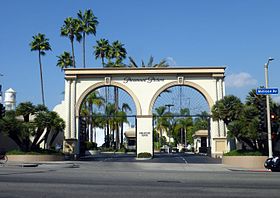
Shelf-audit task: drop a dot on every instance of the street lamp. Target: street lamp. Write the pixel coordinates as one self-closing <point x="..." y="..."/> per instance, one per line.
<point x="270" y="154"/>
<point x="169" y="105"/>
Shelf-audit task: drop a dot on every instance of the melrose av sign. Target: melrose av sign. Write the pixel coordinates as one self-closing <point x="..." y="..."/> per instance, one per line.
<point x="267" y="91"/>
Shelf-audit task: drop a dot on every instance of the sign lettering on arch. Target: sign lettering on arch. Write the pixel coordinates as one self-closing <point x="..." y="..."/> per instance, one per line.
<point x="144" y="80"/>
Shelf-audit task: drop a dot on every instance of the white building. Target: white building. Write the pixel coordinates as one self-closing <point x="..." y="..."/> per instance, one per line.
<point x="10" y="99"/>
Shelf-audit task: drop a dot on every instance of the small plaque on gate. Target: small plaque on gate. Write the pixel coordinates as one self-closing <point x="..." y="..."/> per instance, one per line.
<point x="144" y="134"/>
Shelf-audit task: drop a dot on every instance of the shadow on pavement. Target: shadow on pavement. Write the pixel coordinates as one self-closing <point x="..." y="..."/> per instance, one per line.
<point x="158" y="158"/>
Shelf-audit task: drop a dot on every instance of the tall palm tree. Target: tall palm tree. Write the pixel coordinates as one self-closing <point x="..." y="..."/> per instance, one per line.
<point x="71" y="29"/>
<point x="184" y="123"/>
<point x="41" y="44"/>
<point x="110" y="113"/>
<point x="88" y="23"/>
<point x="93" y="99"/>
<point x="161" y="121"/>
<point x="65" y="60"/>
<point x="101" y="50"/>
<point x="125" y="108"/>
<point x="118" y="52"/>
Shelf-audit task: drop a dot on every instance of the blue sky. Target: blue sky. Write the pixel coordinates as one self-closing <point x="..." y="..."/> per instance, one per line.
<point x="241" y="34"/>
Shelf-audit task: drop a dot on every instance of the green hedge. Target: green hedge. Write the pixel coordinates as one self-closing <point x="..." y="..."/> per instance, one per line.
<point x="39" y="152"/>
<point x="243" y="153"/>
<point x="144" y="155"/>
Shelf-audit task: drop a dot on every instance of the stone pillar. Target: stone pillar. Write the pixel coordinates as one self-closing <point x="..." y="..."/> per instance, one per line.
<point x="144" y="134"/>
<point x="221" y="96"/>
<point x="67" y="133"/>
<point x="72" y="109"/>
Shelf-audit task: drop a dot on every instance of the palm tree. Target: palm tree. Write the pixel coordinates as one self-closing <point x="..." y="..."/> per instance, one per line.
<point x="162" y="63"/>
<point x="101" y="50"/>
<point x="40" y="44"/>
<point x="25" y="109"/>
<point x="65" y="60"/>
<point x="185" y="123"/>
<point x="110" y="113"/>
<point x="58" y="127"/>
<point x="118" y="52"/>
<point x="88" y="23"/>
<point x="227" y="109"/>
<point x="125" y="108"/>
<point x="93" y="99"/>
<point x="161" y="121"/>
<point x="97" y="121"/>
<point x="71" y="29"/>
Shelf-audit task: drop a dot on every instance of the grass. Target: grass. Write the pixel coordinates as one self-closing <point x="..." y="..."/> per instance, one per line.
<point x="243" y="153"/>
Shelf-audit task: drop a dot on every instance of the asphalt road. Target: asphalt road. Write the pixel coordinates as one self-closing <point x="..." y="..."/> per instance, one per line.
<point x="121" y="176"/>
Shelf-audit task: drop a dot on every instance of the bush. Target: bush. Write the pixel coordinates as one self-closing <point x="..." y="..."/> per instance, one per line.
<point x="144" y="155"/>
<point x="122" y="150"/>
<point x="37" y="152"/>
<point x="156" y="145"/>
<point x="110" y="149"/>
<point x="91" y="145"/>
<point x="243" y="153"/>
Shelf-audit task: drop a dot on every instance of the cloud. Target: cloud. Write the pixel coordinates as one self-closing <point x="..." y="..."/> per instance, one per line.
<point x="240" y="80"/>
<point x="171" y="61"/>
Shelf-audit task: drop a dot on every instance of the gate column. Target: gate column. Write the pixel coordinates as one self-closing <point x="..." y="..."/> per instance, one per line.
<point x="144" y="134"/>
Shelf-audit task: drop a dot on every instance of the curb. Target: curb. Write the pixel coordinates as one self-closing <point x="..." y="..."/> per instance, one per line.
<point x="250" y="170"/>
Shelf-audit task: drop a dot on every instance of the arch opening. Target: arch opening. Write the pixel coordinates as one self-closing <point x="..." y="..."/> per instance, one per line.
<point x="107" y="119"/>
<point x="181" y="119"/>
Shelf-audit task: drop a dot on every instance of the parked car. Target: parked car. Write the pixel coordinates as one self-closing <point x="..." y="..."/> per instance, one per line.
<point x="273" y="164"/>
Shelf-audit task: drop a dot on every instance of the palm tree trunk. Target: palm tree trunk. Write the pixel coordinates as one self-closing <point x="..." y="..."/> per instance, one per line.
<point x="117" y="136"/>
<point x="122" y="134"/>
<point x="41" y="76"/>
<point x="160" y="137"/>
<point x="113" y="137"/>
<point x="116" y="97"/>
<point x="90" y="120"/>
<point x="39" y="133"/>
<point x="94" y="136"/>
<point x="107" y="135"/>
<point x="53" y="137"/>
<point x="73" y="54"/>
<point x="103" y="63"/>
<point x="84" y="49"/>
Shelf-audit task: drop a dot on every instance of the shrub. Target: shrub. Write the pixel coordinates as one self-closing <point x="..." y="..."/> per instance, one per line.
<point x="110" y="149"/>
<point x="91" y="145"/>
<point x="144" y="155"/>
<point x="243" y="153"/>
<point x="122" y="150"/>
<point x="37" y="152"/>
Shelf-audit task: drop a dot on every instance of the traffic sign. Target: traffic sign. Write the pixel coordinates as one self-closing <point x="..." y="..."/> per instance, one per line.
<point x="267" y="91"/>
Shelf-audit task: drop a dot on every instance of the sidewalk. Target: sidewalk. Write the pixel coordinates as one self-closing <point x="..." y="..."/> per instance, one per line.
<point x="64" y="164"/>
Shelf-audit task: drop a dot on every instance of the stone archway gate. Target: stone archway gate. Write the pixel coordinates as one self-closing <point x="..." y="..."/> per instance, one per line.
<point x="144" y="86"/>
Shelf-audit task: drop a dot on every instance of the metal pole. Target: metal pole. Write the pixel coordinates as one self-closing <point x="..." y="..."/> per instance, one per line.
<point x="270" y="154"/>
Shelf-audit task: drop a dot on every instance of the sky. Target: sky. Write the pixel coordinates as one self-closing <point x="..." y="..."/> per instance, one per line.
<point x="238" y="34"/>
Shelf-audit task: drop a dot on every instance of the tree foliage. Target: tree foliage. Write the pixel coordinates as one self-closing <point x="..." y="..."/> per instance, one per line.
<point x="28" y="131"/>
<point x="244" y="120"/>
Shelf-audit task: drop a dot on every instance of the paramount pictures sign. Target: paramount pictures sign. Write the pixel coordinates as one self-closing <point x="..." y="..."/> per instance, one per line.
<point x="144" y="80"/>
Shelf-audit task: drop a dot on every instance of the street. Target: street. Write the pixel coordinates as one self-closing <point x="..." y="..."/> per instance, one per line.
<point x="167" y="175"/>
